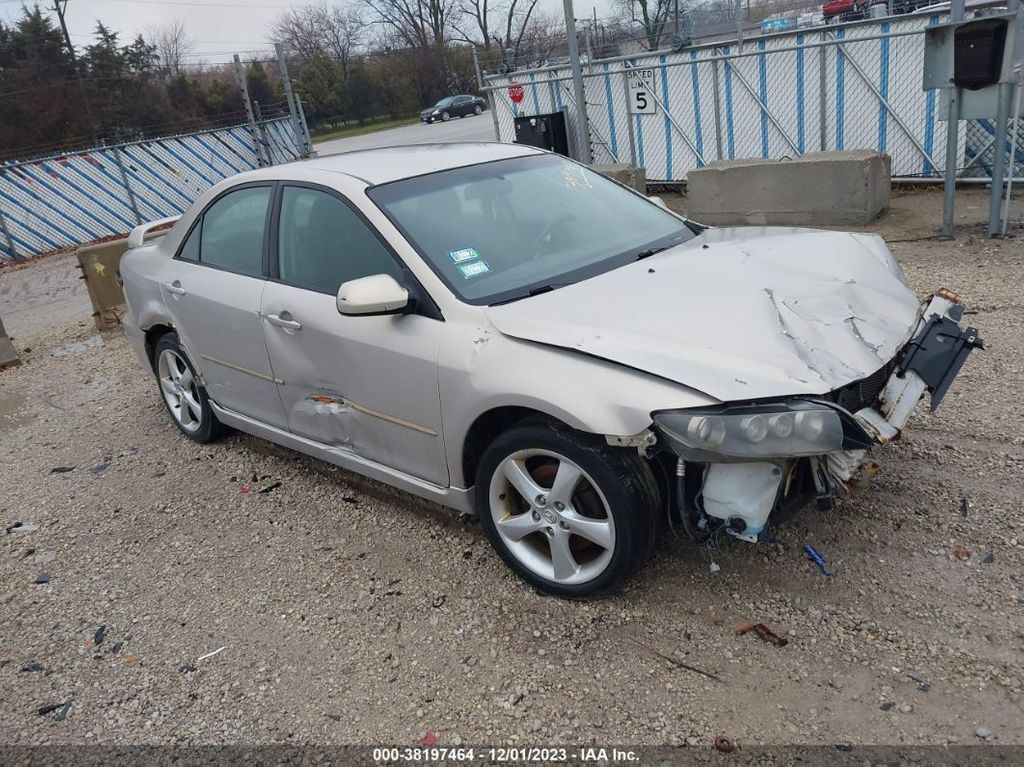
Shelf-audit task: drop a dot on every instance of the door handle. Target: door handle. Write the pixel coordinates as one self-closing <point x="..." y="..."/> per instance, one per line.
<point x="283" y="322"/>
<point x="175" y="288"/>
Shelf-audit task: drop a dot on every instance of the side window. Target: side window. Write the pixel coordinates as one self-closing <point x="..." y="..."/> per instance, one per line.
<point x="323" y="243"/>
<point x="190" y="250"/>
<point x="232" y="231"/>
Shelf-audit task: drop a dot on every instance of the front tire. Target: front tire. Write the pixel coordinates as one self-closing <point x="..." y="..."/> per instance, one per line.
<point x="445" y="117"/>
<point x="571" y="515"/>
<point x="184" y="396"/>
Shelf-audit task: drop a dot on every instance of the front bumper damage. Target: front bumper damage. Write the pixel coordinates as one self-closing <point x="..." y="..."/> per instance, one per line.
<point x="741" y="496"/>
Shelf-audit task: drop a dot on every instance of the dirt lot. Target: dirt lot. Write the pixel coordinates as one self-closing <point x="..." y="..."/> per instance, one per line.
<point x="350" y="613"/>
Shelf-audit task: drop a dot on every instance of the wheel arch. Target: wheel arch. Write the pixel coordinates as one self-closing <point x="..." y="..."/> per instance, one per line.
<point x="152" y="335"/>
<point x="487" y="426"/>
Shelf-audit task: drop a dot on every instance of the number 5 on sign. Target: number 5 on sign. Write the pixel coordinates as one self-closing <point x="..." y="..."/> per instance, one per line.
<point x="641" y="101"/>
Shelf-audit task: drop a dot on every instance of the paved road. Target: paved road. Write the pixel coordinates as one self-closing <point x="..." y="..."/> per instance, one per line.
<point x="459" y="129"/>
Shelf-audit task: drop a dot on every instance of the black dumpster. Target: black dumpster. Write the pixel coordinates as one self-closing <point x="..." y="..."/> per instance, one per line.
<point x="543" y="131"/>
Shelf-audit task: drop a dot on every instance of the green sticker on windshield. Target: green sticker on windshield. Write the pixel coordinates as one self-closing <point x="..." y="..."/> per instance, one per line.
<point x="463" y="254"/>
<point x="474" y="269"/>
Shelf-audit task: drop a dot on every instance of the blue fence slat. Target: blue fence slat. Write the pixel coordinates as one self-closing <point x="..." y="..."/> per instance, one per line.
<point x="66" y="200"/>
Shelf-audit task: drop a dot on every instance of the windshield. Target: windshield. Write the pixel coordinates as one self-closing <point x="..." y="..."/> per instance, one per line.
<point x="445" y="102"/>
<point x="504" y="230"/>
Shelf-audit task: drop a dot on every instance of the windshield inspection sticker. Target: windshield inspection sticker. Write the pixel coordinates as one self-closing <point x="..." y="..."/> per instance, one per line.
<point x="463" y="254"/>
<point x="474" y="270"/>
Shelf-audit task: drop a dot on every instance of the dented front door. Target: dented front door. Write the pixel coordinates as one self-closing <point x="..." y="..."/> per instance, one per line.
<point x="366" y="384"/>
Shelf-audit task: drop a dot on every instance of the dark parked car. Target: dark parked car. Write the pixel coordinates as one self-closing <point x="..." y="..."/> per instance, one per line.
<point x="453" y="106"/>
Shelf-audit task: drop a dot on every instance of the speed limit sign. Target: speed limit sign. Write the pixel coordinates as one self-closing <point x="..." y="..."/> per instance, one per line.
<point x="641" y="100"/>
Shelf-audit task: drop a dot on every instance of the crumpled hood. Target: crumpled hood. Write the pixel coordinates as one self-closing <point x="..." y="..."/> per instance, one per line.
<point x="739" y="313"/>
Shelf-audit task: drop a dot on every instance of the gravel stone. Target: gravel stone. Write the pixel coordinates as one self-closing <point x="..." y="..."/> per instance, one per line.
<point x="344" y="605"/>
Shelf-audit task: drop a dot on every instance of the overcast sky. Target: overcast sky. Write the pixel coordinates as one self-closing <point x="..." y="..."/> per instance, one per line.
<point x="219" y="27"/>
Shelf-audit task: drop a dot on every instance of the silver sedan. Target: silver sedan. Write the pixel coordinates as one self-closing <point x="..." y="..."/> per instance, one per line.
<point x="507" y="332"/>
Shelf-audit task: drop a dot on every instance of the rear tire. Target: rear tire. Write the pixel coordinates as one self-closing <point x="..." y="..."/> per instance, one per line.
<point x="477" y="110"/>
<point x="571" y="515"/>
<point x="182" y="392"/>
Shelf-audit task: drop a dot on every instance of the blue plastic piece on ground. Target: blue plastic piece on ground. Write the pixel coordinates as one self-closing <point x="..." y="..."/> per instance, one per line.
<point x="814" y="556"/>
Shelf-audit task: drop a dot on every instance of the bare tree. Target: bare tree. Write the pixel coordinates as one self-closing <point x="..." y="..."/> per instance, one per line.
<point x="501" y="23"/>
<point x="417" y="23"/>
<point x="541" y="40"/>
<point x="173" y="45"/>
<point x="330" y="31"/>
<point x="517" y="23"/>
<point x="479" y="13"/>
<point x="652" y="15"/>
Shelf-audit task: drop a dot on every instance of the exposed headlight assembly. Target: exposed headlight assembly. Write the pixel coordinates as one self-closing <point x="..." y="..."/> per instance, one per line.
<point x="752" y="432"/>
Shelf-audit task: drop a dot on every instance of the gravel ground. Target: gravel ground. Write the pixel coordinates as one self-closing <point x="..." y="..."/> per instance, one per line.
<point x="351" y="613"/>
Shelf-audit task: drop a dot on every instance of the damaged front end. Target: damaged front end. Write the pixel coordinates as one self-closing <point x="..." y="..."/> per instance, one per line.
<point x="741" y="466"/>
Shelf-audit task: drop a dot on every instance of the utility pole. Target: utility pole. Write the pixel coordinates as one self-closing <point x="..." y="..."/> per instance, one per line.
<point x="282" y="66"/>
<point x="577" y="83"/>
<point x="60" y="7"/>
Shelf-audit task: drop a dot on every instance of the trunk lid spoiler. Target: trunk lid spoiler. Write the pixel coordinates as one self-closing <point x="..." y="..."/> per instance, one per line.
<point x="138" y="235"/>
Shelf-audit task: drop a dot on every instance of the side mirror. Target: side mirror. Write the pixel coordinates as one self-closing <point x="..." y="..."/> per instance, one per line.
<point x="376" y="294"/>
<point x="658" y="201"/>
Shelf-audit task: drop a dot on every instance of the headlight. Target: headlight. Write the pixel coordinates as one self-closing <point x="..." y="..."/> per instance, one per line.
<point x="742" y="432"/>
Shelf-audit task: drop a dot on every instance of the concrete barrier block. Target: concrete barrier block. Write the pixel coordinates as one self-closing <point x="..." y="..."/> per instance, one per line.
<point x="817" y="189"/>
<point x="99" y="265"/>
<point x="629" y="175"/>
<point x="8" y="356"/>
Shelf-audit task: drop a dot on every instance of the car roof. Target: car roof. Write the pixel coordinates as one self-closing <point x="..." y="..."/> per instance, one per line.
<point x="379" y="166"/>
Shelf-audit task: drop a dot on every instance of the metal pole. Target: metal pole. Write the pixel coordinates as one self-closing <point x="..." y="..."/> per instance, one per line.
<point x="956" y="13"/>
<point x="1005" y="96"/>
<point x="261" y="127"/>
<point x="577" y="84"/>
<point x="999" y="158"/>
<point x="127" y="186"/>
<point x="739" y="24"/>
<point x="305" y="126"/>
<point x="286" y="82"/>
<point x="822" y="93"/>
<point x="629" y="118"/>
<point x="243" y="87"/>
<point x="7" y="236"/>
<point x="1014" y="133"/>
<point x="493" y="106"/>
<point x="476" y="68"/>
<point x="490" y="94"/>
<point x="718" y="108"/>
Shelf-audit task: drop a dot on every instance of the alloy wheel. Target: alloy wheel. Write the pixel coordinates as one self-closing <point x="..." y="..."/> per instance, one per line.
<point x="180" y="390"/>
<point x="552" y="516"/>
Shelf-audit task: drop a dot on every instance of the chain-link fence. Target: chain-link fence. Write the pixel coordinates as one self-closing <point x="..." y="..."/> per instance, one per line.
<point x="835" y="87"/>
<point x="68" y="199"/>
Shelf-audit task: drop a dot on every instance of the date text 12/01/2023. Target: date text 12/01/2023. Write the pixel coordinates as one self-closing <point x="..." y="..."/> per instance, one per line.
<point x="398" y="754"/>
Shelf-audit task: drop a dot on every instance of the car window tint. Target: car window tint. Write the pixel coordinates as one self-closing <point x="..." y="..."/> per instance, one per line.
<point x="190" y="250"/>
<point x="232" y="231"/>
<point x="323" y="243"/>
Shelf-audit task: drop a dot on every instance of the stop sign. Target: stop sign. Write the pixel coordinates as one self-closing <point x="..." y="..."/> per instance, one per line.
<point x="515" y="92"/>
